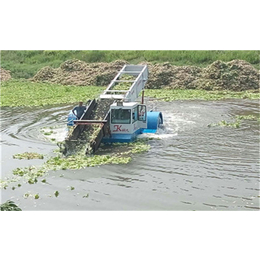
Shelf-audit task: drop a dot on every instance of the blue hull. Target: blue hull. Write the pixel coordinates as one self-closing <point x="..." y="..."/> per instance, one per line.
<point x="121" y="138"/>
<point x="154" y="119"/>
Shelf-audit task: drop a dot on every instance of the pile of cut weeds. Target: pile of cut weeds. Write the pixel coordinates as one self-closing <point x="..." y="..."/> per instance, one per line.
<point x="4" y="75"/>
<point x="236" y="75"/>
<point x="80" y="73"/>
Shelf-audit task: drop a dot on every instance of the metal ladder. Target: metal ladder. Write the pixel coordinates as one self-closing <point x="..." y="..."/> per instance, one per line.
<point x="131" y="94"/>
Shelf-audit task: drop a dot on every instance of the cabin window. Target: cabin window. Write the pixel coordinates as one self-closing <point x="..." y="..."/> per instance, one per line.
<point x="121" y="116"/>
<point x="134" y="114"/>
<point x="141" y="112"/>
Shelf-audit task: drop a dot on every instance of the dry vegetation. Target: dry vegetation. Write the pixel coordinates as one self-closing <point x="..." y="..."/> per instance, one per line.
<point x="4" y="74"/>
<point x="236" y="75"/>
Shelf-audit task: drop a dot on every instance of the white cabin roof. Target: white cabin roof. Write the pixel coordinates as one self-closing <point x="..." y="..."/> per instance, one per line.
<point x="125" y="105"/>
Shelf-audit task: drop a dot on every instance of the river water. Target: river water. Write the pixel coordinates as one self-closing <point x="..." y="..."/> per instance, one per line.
<point x="190" y="166"/>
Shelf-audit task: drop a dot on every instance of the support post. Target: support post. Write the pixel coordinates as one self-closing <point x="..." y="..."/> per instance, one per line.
<point x="143" y="96"/>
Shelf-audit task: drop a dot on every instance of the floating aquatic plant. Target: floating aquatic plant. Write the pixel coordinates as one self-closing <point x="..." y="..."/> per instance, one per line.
<point x="26" y="195"/>
<point x="77" y="161"/>
<point x="3" y="184"/>
<point x="9" y="206"/>
<point x="236" y="123"/>
<point x="27" y="93"/>
<point x="247" y="117"/>
<point x="139" y="147"/>
<point x="48" y="133"/>
<point x="81" y="161"/>
<point x="32" y="180"/>
<point x="30" y="171"/>
<point x="223" y="123"/>
<point x="198" y="94"/>
<point x="28" y="156"/>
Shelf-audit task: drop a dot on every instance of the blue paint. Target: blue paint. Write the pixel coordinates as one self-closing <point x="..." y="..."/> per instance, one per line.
<point x="71" y="118"/>
<point x="149" y="131"/>
<point x="154" y="119"/>
<point x="122" y="138"/>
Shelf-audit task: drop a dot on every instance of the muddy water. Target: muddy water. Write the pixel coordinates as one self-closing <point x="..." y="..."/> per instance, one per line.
<point x="190" y="166"/>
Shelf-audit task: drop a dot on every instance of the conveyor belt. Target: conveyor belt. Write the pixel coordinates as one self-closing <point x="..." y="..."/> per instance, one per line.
<point x="90" y="129"/>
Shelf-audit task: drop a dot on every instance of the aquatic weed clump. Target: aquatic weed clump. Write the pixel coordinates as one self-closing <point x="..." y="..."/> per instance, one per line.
<point x="80" y="161"/>
<point x="28" y="156"/>
<point x="122" y="155"/>
<point x="31" y="173"/>
<point x="9" y="205"/>
<point x="198" y="94"/>
<point x="138" y="146"/>
<point x="237" y="122"/>
<point x="30" y="94"/>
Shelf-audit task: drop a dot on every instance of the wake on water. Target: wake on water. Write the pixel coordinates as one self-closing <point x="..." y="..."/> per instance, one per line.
<point x="173" y="124"/>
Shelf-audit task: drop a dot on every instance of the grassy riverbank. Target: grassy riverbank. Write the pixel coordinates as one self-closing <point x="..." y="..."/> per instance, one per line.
<point x="25" y="64"/>
<point x="16" y="93"/>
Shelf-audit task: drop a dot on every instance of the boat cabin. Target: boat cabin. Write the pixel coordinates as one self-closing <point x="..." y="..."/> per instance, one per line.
<point x="127" y="118"/>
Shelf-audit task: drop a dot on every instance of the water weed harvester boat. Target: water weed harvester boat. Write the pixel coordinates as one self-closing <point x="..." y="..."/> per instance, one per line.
<point x="115" y="116"/>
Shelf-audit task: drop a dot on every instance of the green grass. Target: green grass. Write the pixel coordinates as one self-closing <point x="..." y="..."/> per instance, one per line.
<point x="25" y="64"/>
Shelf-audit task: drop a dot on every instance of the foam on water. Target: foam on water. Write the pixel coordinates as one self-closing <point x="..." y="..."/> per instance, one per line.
<point x="57" y="134"/>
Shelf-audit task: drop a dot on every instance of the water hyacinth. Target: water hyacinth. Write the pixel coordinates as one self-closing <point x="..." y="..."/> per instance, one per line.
<point x="30" y="172"/>
<point x="9" y="206"/>
<point x="28" y="156"/>
<point x="81" y="161"/>
<point x="30" y="94"/>
<point x="237" y="122"/>
<point x="198" y="94"/>
<point x="121" y="155"/>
